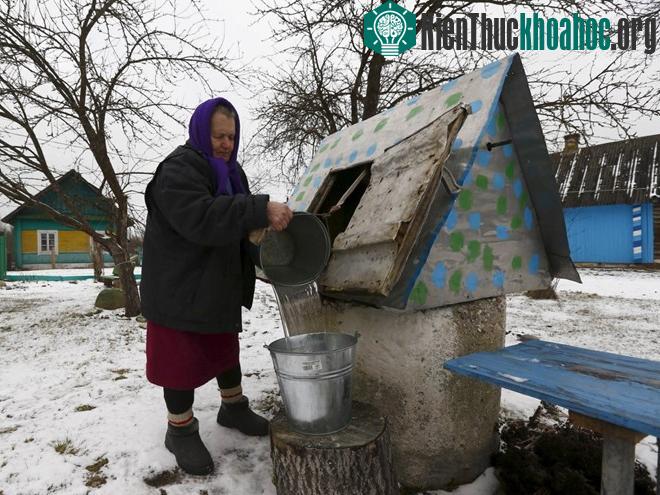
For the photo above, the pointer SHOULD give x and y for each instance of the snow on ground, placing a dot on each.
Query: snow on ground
(75, 407)
(64, 271)
(59, 357)
(629, 284)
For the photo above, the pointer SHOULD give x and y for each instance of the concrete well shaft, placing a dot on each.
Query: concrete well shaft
(443, 426)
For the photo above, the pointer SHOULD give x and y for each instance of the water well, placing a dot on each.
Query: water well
(436, 209)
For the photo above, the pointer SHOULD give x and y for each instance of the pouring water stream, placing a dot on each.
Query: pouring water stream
(299, 307)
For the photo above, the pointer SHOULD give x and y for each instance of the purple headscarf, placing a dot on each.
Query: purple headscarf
(199, 132)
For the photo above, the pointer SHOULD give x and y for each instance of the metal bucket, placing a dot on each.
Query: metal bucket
(298, 254)
(314, 371)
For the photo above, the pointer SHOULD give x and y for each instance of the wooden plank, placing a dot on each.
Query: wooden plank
(370, 254)
(600, 364)
(621, 390)
(604, 428)
(349, 191)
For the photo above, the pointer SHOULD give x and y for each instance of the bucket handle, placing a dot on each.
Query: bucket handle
(256, 236)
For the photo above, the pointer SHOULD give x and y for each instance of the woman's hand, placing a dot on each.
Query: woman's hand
(279, 215)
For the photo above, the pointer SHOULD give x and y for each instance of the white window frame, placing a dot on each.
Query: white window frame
(57, 243)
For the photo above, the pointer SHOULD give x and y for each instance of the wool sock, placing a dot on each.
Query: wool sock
(231, 395)
(180, 420)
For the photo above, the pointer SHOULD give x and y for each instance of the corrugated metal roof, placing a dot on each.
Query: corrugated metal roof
(611, 173)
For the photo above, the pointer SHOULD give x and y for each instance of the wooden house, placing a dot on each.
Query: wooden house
(444, 198)
(611, 198)
(41, 242)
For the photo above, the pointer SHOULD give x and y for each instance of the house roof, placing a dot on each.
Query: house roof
(612, 173)
(70, 176)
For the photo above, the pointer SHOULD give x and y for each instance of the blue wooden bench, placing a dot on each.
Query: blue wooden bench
(617, 396)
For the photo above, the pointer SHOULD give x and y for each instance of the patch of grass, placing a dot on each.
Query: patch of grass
(549, 294)
(84, 407)
(97, 465)
(96, 480)
(8, 429)
(28, 440)
(163, 478)
(121, 373)
(65, 447)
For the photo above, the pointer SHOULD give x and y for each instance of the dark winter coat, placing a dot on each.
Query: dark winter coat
(196, 270)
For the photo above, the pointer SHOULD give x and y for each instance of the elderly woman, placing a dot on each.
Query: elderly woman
(197, 272)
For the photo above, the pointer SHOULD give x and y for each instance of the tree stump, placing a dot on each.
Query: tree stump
(355, 461)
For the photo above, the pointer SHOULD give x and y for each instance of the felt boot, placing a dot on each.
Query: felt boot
(190, 452)
(238, 415)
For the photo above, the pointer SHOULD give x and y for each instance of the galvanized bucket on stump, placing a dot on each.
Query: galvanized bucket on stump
(314, 373)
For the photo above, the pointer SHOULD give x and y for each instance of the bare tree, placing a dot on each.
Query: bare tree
(332, 80)
(96, 75)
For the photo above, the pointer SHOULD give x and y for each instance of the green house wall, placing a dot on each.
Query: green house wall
(23, 259)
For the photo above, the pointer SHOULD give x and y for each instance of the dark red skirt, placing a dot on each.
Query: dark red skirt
(186, 360)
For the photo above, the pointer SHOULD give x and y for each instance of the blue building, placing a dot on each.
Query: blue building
(611, 198)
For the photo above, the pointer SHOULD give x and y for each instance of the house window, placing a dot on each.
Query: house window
(47, 241)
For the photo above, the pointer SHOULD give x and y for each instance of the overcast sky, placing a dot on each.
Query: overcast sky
(247, 36)
(251, 34)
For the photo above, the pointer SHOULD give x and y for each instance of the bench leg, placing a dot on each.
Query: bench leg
(618, 466)
(618, 477)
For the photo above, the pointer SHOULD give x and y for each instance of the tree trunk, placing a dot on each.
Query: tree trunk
(97, 260)
(130, 288)
(373, 86)
(122, 258)
(357, 460)
(128, 284)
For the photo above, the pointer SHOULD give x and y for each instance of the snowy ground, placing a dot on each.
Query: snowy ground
(75, 408)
